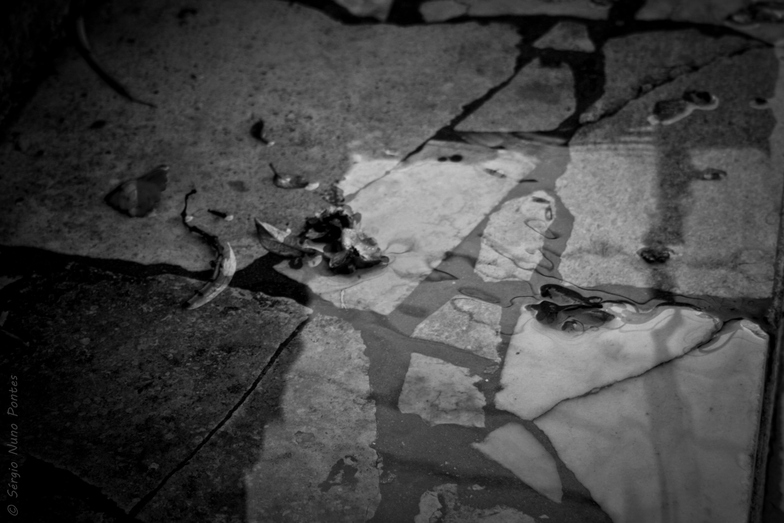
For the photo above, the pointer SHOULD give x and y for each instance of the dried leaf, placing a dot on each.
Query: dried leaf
(280, 242)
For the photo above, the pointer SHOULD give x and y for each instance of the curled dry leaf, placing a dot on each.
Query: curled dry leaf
(279, 242)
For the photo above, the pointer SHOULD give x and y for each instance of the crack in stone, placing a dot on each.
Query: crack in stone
(656, 84)
(524, 56)
(273, 359)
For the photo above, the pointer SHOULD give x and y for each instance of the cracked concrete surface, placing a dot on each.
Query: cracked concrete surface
(571, 324)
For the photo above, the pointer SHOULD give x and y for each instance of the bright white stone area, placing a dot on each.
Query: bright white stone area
(466, 323)
(417, 212)
(440, 392)
(512, 241)
(545, 365)
(675, 444)
(518, 450)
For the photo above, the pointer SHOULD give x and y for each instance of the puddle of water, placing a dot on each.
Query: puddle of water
(409, 211)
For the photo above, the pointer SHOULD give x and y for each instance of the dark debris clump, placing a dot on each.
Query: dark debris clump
(569, 311)
(654, 255)
(332, 238)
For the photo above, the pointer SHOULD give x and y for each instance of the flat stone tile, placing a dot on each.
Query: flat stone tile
(538, 98)
(120, 384)
(300, 448)
(678, 442)
(325, 90)
(567, 36)
(513, 240)
(465, 323)
(416, 221)
(715, 12)
(637, 63)
(720, 233)
(440, 392)
(545, 365)
(518, 450)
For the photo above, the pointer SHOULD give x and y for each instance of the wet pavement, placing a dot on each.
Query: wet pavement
(543, 286)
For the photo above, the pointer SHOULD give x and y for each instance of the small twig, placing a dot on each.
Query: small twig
(211, 239)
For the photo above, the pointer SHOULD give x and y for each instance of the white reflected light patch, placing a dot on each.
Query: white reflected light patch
(676, 443)
(440, 392)
(545, 365)
(512, 242)
(518, 450)
(466, 323)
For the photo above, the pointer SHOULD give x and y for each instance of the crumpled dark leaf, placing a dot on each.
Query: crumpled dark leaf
(332, 235)
(575, 313)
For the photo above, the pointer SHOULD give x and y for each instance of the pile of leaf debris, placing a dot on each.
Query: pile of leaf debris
(332, 238)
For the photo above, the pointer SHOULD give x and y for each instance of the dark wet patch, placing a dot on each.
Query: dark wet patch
(98, 124)
(413, 310)
(238, 185)
(479, 294)
(186, 13)
(343, 473)
(257, 131)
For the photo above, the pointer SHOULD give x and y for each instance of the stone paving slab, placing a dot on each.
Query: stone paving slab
(119, 383)
(721, 233)
(360, 418)
(637, 63)
(301, 447)
(325, 90)
(677, 443)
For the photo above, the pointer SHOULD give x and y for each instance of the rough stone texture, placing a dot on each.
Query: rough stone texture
(299, 448)
(514, 237)
(567, 36)
(713, 12)
(646, 189)
(545, 365)
(775, 498)
(417, 212)
(637, 63)
(28, 30)
(467, 324)
(440, 392)
(518, 450)
(324, 89)
(442, 504)
(538, 98)
(440, 10)
(678, 442)
(120, 384)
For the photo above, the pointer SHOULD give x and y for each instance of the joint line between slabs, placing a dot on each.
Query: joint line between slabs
(273, 359)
